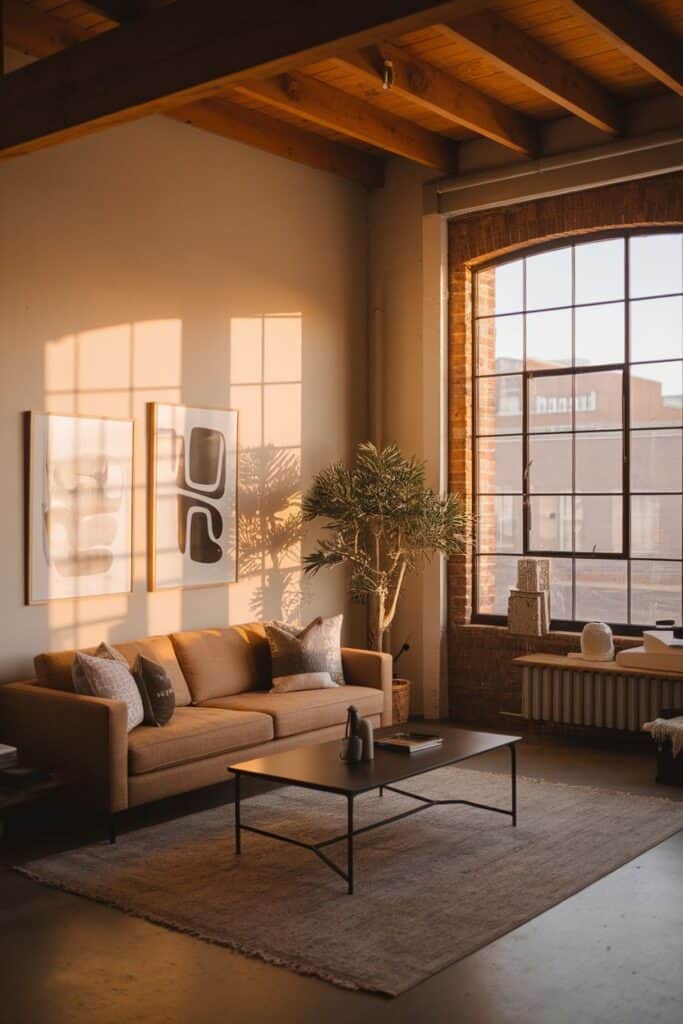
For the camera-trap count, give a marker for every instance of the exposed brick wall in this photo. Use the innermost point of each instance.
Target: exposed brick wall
(482, 680)
(487, 683)
(484, 408)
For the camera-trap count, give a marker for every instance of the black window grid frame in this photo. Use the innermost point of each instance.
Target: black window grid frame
(572, 624)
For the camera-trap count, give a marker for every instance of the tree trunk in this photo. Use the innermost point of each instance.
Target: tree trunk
(377, 635)
(389, 618)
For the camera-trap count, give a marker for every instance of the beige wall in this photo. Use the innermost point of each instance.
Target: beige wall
(147, 263)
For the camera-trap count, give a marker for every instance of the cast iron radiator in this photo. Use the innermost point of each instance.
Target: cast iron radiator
(576, 697)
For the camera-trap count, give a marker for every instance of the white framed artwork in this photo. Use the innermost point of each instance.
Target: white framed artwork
(192, 511)
(79, 506)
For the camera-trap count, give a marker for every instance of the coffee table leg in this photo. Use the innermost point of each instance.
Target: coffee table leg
(513, 771)
(349, 843)
(238, 838)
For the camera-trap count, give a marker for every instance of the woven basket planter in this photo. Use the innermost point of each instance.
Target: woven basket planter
(400, 693)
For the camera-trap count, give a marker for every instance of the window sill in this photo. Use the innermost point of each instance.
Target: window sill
(560, 635)
(568, 630)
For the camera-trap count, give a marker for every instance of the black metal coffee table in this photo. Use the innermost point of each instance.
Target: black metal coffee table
(318, 766)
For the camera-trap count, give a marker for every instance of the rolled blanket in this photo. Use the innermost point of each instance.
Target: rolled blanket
(667, 729)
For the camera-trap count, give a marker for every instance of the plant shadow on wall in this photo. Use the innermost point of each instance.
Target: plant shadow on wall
(271, 531)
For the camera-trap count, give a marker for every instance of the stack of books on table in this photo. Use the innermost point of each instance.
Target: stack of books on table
(8, 756)
(409, 742)
(16, 776)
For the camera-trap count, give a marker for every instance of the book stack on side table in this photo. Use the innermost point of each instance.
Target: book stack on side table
(8, 756)
(20, 785)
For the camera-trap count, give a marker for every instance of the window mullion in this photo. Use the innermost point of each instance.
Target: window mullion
(526, 498)
(626, 429)
(573, 401)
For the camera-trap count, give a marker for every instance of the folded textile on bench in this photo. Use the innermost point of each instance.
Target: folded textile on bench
(663, 729)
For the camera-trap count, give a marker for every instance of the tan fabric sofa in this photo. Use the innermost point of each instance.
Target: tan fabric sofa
(224, 713)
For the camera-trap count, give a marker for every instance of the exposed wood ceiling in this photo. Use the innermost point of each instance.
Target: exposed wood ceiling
(425, 86)
(339, 86)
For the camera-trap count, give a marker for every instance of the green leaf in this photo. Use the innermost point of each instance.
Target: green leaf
(378, 515)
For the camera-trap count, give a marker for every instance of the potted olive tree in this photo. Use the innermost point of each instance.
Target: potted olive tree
(383, 523)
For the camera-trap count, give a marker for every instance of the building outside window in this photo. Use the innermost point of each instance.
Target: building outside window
(579, 426)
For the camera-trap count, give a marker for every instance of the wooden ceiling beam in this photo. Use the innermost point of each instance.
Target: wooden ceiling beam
(521, 56)
(637, 36)
(126, 10)
(189, 50)
(39, 34)
(232, 121)
(434, 90)
(331, 108)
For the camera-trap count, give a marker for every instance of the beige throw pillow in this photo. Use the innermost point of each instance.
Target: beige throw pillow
(108, 678)
(303, 681)
(80, 681)
(315, 648)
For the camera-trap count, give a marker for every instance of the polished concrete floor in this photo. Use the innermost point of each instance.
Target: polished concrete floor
(612, 953)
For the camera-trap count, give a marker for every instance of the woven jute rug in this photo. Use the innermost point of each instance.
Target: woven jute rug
(429, 889)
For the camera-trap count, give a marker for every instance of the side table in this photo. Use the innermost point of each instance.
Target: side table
(12, 797)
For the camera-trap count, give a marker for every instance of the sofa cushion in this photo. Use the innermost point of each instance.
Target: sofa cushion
(221, 662)
(54, 669)
(302, 681)
(304, 710)
(193, 734)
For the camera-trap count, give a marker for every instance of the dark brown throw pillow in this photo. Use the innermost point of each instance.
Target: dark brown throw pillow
(156, 691)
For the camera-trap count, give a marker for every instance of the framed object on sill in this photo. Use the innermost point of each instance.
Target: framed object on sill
(192, 496)
(79, 506)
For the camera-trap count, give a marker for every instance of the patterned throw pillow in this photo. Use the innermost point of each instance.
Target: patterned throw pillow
(315, 648)
(108, 678)
(78, 676)
(156, 691)
(303, 681)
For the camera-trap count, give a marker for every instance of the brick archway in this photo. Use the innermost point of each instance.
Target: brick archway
(474, 240)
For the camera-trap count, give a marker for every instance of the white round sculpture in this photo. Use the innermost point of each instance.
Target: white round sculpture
(596, 642)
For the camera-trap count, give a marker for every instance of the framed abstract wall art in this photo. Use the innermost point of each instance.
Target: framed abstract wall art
(192, 516)
(79, 506)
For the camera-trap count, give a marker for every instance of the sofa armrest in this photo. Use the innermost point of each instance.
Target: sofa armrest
(370, 668)
(84, 737)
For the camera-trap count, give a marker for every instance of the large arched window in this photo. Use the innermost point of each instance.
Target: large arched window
(578, 397)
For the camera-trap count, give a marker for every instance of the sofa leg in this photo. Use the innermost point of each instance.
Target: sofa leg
(112, 828)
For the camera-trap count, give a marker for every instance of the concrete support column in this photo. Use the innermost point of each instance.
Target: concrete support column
(435, 454)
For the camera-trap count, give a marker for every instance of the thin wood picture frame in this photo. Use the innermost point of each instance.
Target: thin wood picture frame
(78, 506)
(192, 496)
